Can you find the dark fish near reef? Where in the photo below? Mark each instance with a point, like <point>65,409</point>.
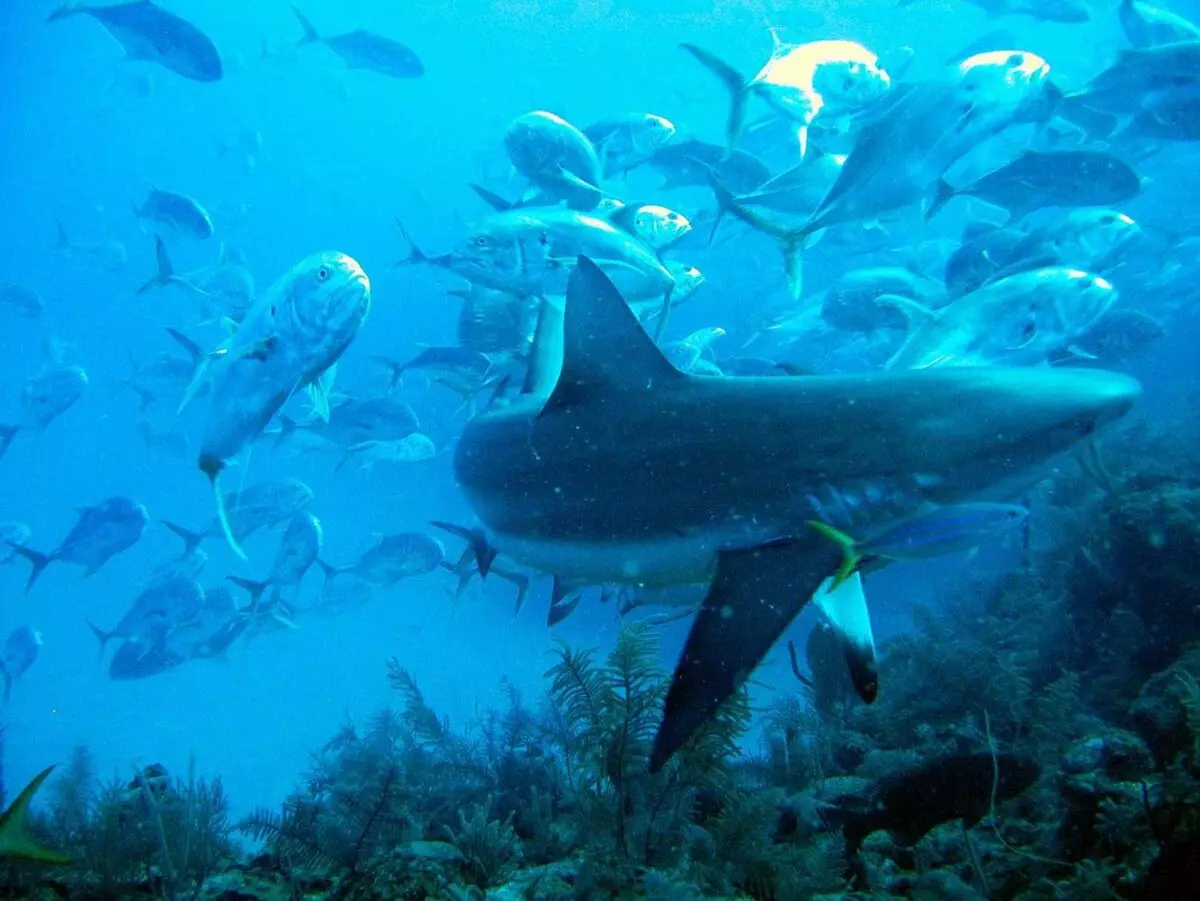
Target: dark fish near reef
<point>15,841</point>
<point>622,470</point>
<point>100,533</point>
<point>361,49</point>
<point>19,653</point>
<point>151,34</point>
<point>910,804</point>
<point>394,557</point>
<point>1066,178</point>
<point>251,509</point>
<point>178,213</point>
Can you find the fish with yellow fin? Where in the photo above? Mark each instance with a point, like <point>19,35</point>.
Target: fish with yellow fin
<point>15,841</point>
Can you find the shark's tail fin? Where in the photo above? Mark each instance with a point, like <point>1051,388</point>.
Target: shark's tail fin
<point>15,841</point>
<point>734,83</point>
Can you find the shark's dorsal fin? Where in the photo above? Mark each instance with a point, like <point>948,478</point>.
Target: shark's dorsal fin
<point>605,349</point>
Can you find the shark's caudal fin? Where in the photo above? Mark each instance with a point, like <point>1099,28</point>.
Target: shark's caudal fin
<point>15,840</point>
<point>753,598</point>
<point>597,316</point>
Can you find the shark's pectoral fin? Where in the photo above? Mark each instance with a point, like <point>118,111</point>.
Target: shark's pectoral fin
<point>754,596</point>
<point>845,606</point>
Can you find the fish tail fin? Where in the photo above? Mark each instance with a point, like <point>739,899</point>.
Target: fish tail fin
<point>727,203</point>
<point>395,368</point>
<point>101,636</point>
<point>734,83</point>
<point>310,33</point>
<point>849,546</point>
<point>484,553</point>
<point>70,8</point>
<point>18,844</point>
<point>252,587</point>
<point>7,434</point>
<point>191,540</point>
<point>287,428</point>
<point>942,195</point>
<point>191,347</point>
<point>492,199</point>
<point>415,256</point>
<point>37,560</point>
<point>328,570</point>
<point>164,273</point>
<point>61,240</point>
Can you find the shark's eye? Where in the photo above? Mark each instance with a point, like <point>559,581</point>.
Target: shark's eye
<point>322,274</point>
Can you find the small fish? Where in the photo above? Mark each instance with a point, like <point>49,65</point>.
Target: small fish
<point>210,633</point>
<point>1150,26</point>
<point>101,532</point>
<point>15,841</point>
<point>1070,178</point>
<point>413,448</point>
<point>19,653</point>
<point>361,49</point>
<point>290,340</point>
<point>355,420</point>
<point>149,33</point>
<point>176,212</point>
<point>163,605</point>
<point>692,162</point>
<point>256,507</point>
<point>557,159</point>
<point>21,300</point>
<point>394,557</point>
<point>935,533</point>
<point>299,548</point>
<point>658,226</point>
<point>110,255</point>
<point>628,141</point>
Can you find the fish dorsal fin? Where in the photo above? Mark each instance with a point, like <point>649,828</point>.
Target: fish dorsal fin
<point>605,349</point>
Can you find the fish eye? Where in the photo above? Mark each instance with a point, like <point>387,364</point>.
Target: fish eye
<point>323,274</point>
<point>543,240</point>
<point>481,241</point>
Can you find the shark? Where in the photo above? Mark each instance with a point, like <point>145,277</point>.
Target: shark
<point>617,468</point>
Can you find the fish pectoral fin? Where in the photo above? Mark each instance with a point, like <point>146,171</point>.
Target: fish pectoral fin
<point>319,391</point>
<point>753,598</point>
<point>845,607</point>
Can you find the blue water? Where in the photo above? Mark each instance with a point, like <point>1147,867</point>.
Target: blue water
<point>344,153</point>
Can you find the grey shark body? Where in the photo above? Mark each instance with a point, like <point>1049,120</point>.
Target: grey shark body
<point>632,472</point>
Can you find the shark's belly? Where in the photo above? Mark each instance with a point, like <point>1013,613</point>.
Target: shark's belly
<point>671,560</point>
